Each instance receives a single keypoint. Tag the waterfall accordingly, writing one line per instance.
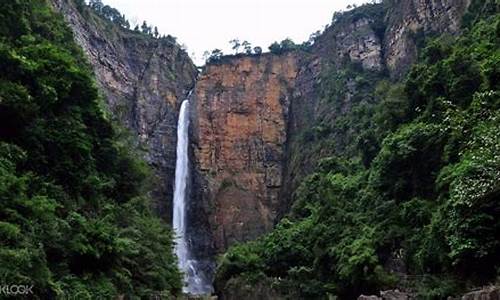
(194, 281)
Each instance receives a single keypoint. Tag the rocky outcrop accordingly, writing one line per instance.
(381, 38)
(389, 42)
(372, 297)
(144, 80)
(249, 111)
(257, 289)
(487, 293)
(389, 295)
(410, 21)
(353, 39)
(239, 128)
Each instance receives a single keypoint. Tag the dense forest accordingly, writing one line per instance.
(410, 197)
(75, 221)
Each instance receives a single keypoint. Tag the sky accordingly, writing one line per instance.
(202, 25)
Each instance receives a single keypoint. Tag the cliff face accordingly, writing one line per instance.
(247, 112)
(144, 80)
(239, 122)
(409, 21)
(250, 113)
(388, 39)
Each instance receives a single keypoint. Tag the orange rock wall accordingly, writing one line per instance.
(239, 126)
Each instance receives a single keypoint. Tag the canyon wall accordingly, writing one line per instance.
(143, 80)
(249, 113)
(409, 22)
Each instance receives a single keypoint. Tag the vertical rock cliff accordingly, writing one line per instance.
(144, 80)
(240, 115)
(408, 22)
(251, 113)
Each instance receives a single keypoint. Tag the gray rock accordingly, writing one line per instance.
(487, 293)
(394, 295)
(372, 297)
(143, 80)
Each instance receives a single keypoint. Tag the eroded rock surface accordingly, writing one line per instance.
(409, 21)
(240, 115)
(144, 80)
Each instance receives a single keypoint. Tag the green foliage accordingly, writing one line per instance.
(436, 287)
(472, 185)
(107, 12)
(408, 161)
(478, 9)
(114, 17)
(284, 46)
(72, 219)
(419, 185)
(215, 56)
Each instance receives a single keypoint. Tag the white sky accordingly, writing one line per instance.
(208, 24)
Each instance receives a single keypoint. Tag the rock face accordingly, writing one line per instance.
(352, 40)
(363, 297)
(246, 111)
(409, 21)
(239, 128)
(144, 80)
(261, 289)
(487, 293)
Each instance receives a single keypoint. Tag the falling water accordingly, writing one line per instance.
(194, 281)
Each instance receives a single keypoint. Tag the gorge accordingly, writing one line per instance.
(364, 160)
(249, 113)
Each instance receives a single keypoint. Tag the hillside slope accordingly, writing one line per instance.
(262, 122)
(144, 80)
(396, 171)
(75, 221)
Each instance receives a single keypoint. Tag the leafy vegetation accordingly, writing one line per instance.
(114, 16)
(413, 201)
(108, 12)
(374, 11)
(73, 219)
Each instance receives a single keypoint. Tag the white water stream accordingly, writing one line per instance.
(194, 282)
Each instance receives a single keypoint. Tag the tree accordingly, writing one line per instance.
(75, 218)
(172, 38)
(145, 28)
(275, 48)
(247, 46)
(206, 55)
(216, 55)
(156, 34)
(136, 28)
(313, 37)
(257, 50)
(287, 45)
(96, 5)
(113, 15)
(235, 43)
